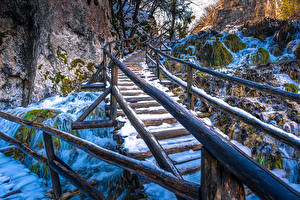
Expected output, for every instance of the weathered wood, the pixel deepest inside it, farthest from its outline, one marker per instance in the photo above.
(92, 124)
(126, 84)
(157, 66)
(157, 122)
(145, 111)
(132, 93)
(167, 133)
(265, 88)
(172, 150)
(95, 76)
(241, 114)
(75, 192)
(178, 186)
(8, 149)
(216, 182)
(75, 179)
(147, 104)
(113, 101)
(50, 157)
(190, 96)
(136, 99)
(158, 152)
(93, 86)
(93, 105)
(269, 187)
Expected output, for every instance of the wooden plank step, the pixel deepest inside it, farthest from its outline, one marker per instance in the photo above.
(146, 104)
(93, 86)
(137, 98)
(126, 88)
(167, 133)
(170, 149)
(132, 93)
(189, 167)
(184, 157)
(126, 84)
(157, 122)
(157, 111)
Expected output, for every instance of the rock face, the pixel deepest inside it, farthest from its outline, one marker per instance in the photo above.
(237, 12)
(46, 45)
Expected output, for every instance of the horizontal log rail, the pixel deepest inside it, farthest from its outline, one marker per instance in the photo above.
(58, 167)
(264, 88)
(165, 179)
(258, 179)
(278, 133)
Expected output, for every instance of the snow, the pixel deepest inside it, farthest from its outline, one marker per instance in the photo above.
(15, 176)
(243, 148)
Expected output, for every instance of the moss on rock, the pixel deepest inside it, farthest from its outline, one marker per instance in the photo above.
(262, 56)
(62, 53)
(234, 43)
(76, 62)
(291, 87)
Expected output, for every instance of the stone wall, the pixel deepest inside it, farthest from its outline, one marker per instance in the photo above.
(48, 45)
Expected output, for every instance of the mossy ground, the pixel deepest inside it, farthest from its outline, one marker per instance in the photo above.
(297, 52)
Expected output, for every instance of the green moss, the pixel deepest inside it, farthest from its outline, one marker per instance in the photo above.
(297, 52)
(59, 77)
(221, 57)
(291, 87)
(40, 66)
(66, 86)
(219, 35)
(24, 134)
(41, 170)
(90, 66)
(76, 62)
(62, 53)
(234, 43)
(262, 56)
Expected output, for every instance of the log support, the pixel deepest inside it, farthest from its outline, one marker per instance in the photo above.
(190, 97)
(217, 183)
(113, 101)
(50, 157)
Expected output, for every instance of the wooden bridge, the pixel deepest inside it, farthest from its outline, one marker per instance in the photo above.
(133, 91)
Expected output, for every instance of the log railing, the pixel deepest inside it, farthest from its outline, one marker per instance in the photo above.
(225, 168)
(240, 167)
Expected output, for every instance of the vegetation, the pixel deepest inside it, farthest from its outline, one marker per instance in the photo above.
(297, 52)
(290, 9)
(234, 43)
(291, 87)
(262, 56)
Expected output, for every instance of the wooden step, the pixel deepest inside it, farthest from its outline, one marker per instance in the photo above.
(170, 149)
(146, 104)
(92, 124)
(157, 122)
(126, 84)
(126, 88)
(167, 133)
(189, 167)
(137, 98)
(132, 92)
(157, 111)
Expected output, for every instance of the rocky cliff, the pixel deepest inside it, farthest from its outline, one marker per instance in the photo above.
(226, 13)
(46, 46)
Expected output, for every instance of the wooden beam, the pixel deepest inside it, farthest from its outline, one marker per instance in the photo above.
(190, 96)
(95, 86)
(75, 179)
(165, 179)
(113, 101)
(93, 105)
(92, 124)
(217, 182)
(50, 157)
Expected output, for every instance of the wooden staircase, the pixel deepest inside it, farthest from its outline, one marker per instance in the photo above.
(179, 144)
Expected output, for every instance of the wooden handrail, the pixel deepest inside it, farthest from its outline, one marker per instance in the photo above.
(278, 133)
(265, 88)
(257, 178)
(165, 179)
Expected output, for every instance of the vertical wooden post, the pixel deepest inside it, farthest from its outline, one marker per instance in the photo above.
(113, 101)
(146, 54)
(104, 67)
(190, 96)
(217, 183)
(51, 156)
(157, 66)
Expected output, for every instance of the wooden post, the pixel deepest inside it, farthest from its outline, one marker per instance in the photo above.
(113, 101)
(50, 157)
(157, 66)
(190, 96)
(104, 67)
(216, 182)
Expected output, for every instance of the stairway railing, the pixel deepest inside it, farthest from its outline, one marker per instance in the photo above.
(238, 167)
